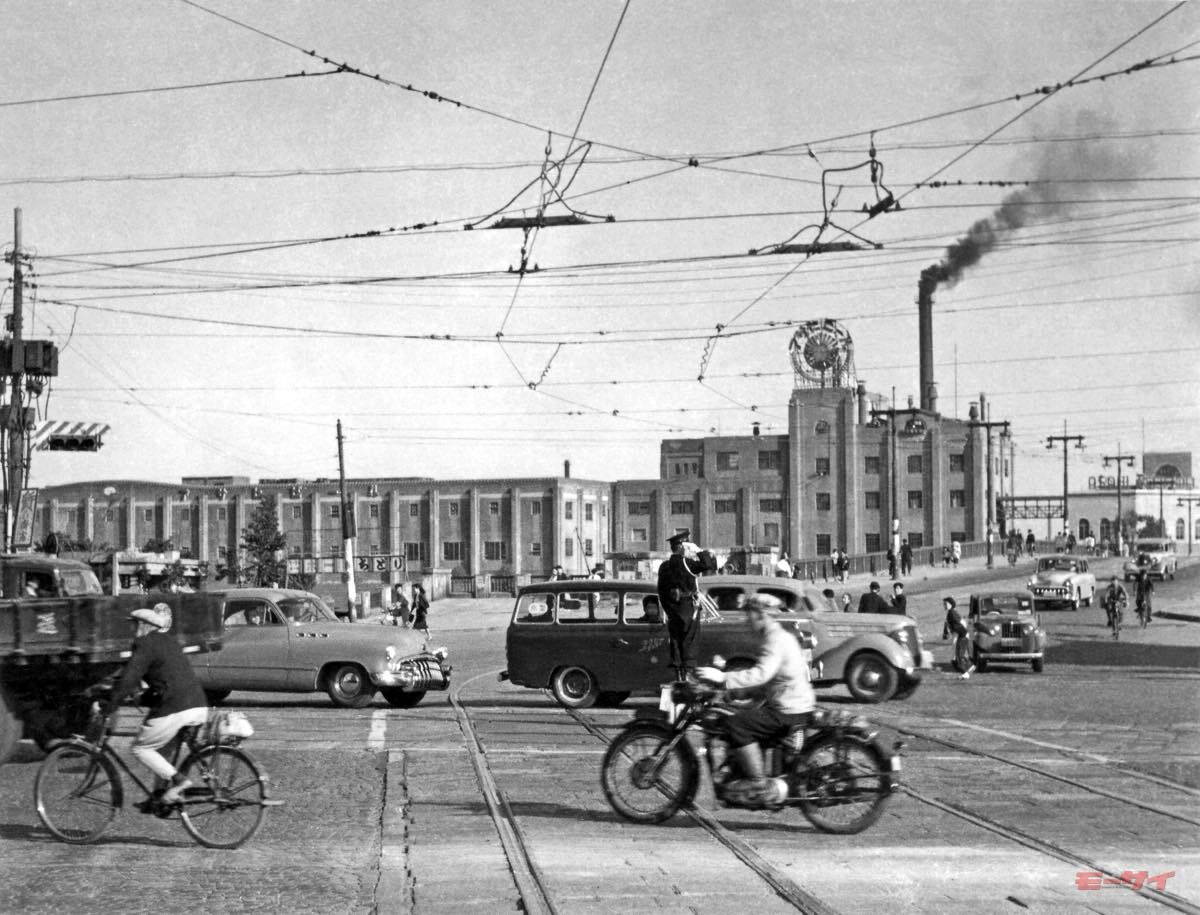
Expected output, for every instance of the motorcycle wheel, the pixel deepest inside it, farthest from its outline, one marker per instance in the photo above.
(843, 783)
(634, 789)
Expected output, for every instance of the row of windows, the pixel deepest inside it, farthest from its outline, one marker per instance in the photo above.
(731, 460)
(915, 497)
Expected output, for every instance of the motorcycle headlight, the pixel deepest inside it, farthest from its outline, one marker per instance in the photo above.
(441, 653)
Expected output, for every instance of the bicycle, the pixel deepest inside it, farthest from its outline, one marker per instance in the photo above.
(78, 790)
(1115, 610)
(1143, 612)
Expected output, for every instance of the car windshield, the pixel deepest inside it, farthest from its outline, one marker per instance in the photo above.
(1005, 603)
(307, 610)
(1150, 546)
(1057, 565)
(79, 581)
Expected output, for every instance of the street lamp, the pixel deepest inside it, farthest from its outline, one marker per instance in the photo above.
(1189, 501)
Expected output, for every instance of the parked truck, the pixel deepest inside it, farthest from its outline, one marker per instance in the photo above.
(60, 634)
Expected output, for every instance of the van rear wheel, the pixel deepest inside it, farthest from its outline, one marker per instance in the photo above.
(575, 687)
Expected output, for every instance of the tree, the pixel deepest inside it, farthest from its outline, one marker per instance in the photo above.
(157, 545)
(263, 543)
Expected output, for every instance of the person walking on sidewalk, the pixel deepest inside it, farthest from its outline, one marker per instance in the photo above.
(872, 601)
(955, 626)
(420, 606)
(899, 599)
(906, 554)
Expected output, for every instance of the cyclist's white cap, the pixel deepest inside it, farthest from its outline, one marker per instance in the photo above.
(763, 603)
(159, 616)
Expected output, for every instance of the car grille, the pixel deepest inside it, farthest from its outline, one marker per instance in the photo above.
(427, 673)
(1010, 630)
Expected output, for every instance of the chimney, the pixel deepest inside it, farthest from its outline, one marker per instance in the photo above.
(567, 469)
(863, 412)
(925, 342)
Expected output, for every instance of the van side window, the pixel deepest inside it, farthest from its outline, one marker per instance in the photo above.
(575, 608)
(642, 610)
(535, 608)
(726, 598)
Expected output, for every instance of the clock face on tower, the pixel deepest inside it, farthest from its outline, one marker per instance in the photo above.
(820, 351)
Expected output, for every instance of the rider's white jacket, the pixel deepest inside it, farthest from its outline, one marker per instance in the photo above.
(781, 670)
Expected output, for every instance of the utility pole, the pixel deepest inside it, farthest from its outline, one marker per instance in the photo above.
(1160, 485)
(984, 422)
(1189, 501)
(891, 414)
(15, 426)
(1064, 438)
(347, 531)
(1125, 460)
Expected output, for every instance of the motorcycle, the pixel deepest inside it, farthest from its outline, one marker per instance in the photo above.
(837, 769)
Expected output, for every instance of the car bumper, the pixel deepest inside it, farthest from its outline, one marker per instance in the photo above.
(1010, 655)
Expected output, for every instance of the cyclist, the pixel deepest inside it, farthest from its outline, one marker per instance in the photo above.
(1145, 587)
(176, 699)
(1114, 600)
(782, 673)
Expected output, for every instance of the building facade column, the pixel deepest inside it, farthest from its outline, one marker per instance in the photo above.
(435, 527)
(516, 558)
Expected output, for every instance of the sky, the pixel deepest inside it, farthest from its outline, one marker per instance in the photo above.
(246, 222)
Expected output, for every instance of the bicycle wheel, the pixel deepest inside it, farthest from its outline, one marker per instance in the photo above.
(77, 792)
(843, 783)
(635, 788)
(225, 804)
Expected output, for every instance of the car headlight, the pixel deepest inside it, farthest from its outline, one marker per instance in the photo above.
(390, 653)
(441, 653)
(993, 630)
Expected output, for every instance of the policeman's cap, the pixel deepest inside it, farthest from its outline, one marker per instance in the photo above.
(679, 537)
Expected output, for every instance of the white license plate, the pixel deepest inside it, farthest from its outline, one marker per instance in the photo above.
(1010, 643)
(896, 763)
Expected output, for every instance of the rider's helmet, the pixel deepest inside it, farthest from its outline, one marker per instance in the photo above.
(763, 603)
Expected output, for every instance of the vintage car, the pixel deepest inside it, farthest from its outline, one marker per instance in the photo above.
(279, 640)
(1154, 554)
(1003, 629)
(1062, 581)
(598, 642)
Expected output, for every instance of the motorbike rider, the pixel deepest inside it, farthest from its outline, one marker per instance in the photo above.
(1145, 587)
(781, 672)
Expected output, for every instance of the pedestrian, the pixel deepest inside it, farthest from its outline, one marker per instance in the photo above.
(899, 599)
(1030, 543)
(872, 601)
(398, 610)
(955, 553)
(783, 568)
(597, 573)
(843, 565)
(906, 554)
(557, 573)
(846, 603)
(679, 595)
(954, 626)
(945, 557)
(1071, 542)
(420, 606)
(891, 561)
(1145, 588)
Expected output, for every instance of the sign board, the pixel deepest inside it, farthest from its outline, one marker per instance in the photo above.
(23, 527)
(379, 563)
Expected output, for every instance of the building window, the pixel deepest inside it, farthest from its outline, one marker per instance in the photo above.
(296, 551)
(768, 460)
(872, 543)
(871, 465)
(148, 514)
(727, 460)
(185, 514)
(110, 515)
(335, 552)
(569, 510)
(297, 512)
(373, 510)
(824, 544)
(958, 498)
(916, 539)
(374, 549)
(587, 547)
(452, 550)
(914, 463)
(872, 498)
(959, 536)
(638, 533)
(414, 551)
(414, 510)
(956, 463)
(495, 550)
(1180, 529)
(771, 532)
(568, 547)
(535, 548)
(725, 506)
(770, 505)
(822, 466)
(222, 552)
(589, 511)
(535, 509)
(915, 498)
(639, 508)
(493, 508)
(454, 509)
(824, 502)
(335, 510)
(221, 514)
(681, 507)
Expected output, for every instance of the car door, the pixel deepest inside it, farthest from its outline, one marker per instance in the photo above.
(256, 644)
(640, 648)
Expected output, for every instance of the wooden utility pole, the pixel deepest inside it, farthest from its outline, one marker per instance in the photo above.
(1125, 460)
(15, 424)
(1064, 438)
(985, 423)
(347, 530)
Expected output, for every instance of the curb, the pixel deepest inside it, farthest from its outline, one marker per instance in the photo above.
(1172, 615)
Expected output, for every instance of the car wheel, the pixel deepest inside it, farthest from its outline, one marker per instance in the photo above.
(1088, 601)
(870, 678)
(575, 687)
(1038, 665)
(402, 698)
(216, 696)
(349, 687)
